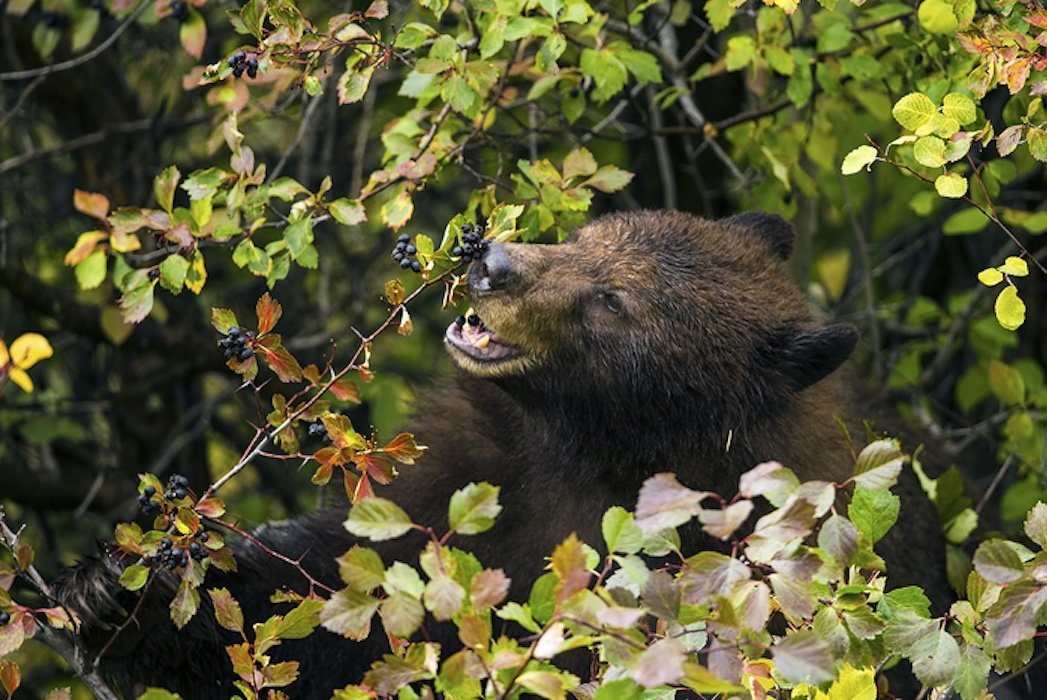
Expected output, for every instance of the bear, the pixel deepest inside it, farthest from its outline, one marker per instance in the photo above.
(647, 342)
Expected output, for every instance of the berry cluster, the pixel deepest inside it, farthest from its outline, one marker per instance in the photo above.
(145, 500)
(177, 487)
(241, 62)
(473, 243)
(170, 557)
(318, 429)
(236, 344)
(404, 253)
(180, 11)
(4, 618)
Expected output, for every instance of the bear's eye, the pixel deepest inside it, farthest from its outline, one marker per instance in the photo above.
(612, 301)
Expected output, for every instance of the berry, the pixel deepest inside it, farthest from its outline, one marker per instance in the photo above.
(180, 493)
(4, 618)
(416, 266)
(398, 256)
(457, 251)
(154, 273)
(194, 547)
(148, 491)
(459, 321)
(180, 11)
(405, 263)
(473, 320)
(165, 543)
(403, 238)
(202, 536)
(410, 249)
(252, 67)
(245, 354)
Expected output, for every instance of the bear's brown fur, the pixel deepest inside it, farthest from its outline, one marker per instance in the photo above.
(648, 342)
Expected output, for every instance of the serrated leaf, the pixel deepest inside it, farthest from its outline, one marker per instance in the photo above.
(349, 612)
(361, 568)
(474, 508)
(488, 588)
(134, 577)
(402, 614)
(839, 537)
(227, 610)
(185, 604)
(935, 658)
(347, 211)
(664, 503)
(609, 178)
(443, 597)
(1036, 524)
(803, 657)
(959, 107)
(857, 159)
(996, 561)
(620, 532)
(873, 512)
(377, 519)
(661, 663)
(929, 151)
(268, 311)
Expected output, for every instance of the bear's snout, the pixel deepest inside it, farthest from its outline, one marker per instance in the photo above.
(491, 272)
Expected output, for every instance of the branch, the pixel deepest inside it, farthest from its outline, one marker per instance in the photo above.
(68, 646)
(84, 58)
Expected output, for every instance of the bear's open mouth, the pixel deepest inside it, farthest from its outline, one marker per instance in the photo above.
(470, 335)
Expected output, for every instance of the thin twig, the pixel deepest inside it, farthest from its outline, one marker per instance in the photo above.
(994, 483)
(83, 58)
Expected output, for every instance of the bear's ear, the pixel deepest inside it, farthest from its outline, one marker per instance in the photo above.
(806, 357)
(775, 231)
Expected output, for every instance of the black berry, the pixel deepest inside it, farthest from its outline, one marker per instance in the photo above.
(405, 263)
(180, 11)
(4, 618)
(148, 491)
(416, 266)
(459, 321)
(403, 238)
(473, 320)
(202, 536)
(165, 543)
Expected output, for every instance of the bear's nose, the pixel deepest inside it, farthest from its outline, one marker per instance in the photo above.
(491, 272)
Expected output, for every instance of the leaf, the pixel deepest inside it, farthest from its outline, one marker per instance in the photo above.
(134, 577)
(546, 684)
(620, 532)
(185, 604)
(938, 17)
(226, 610)
(853, 684)
(402, 614)
(488, 588)
(473, 508)
(578, 162)
(1006, 383)
(1009, 309)
(929, 151)
(197, 274)
(935, 658)
(347, 211)
(443, 596)
(664, 503)
(803, 657)
(951, 185)
(397, 211)
(85, 245)
(990, 277)
(361, 568)
(377, 519)
(349, 612)
(972, 673)
(193, 34)
(1036, 524)
(879, 464)
(223, 320)
(90, 203)
(164, 186)
(268, 311)
(723, 523)
(959, 107)
(137, 302)
(839, 537)
(404, 449)
(661, 663)
(11, 678)
(1009, 139)
(1037, 142)
(719, 13)
(609, 178)
(1014, 266)
(570, 566)
(873, 512)
(914, 110)
(996, 561)
(857, 159)
(276, 356)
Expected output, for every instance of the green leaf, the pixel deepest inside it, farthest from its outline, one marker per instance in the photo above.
(719, 13)
(1036, 524)
(641, 64)
(741, 50)
(879, 464)
(185, 604)
(164, 186)
(857, 159)
(972, 673)
(609, 178)
(620, 532)
(952, 185)
(996, 561)
(1010, 309)
(361, 568)
(473, 508)
(1006, 383)
(1014, 266)
(377, 519)
(134, 577)
(300, 622)
(914, 110)
(349, 612)
(938, 17)
(1037, 140)
(173, 270)
(347, 211)
(839, 537)
(873, 512)
(935, 658)
(930, 151)
(402, 614)
(90, 272)
(226, 610)
(959, 107)
(964, 222)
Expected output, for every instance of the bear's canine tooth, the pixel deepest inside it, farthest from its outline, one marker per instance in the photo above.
(483, 341)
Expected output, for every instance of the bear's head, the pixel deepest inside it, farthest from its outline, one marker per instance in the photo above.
(650, 317)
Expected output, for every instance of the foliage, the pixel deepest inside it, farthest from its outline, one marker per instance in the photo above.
(520, 115)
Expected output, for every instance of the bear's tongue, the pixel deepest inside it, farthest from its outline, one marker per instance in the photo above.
(474, 338)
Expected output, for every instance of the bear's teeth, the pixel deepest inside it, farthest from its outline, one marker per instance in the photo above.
(483, 341)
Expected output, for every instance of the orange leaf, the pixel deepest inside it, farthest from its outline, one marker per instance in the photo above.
(269, 311)
(404, 449)
(85, 245)
(210, 508)
(363, 489)
(350, 481)
(90, 203)
(322, 474)
(279, 359)
(377, 466)
(346, 390)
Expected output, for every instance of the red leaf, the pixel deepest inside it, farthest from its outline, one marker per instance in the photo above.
(350, 481)
(376, 465)
(210, 508)
(269, 311)
(379, 9)
(10, 676)
(193, 34)
(90, 203)
(363, 489)
(569, 564)
(404, 449)
(346, 390)
(279, 360)
(323, 473)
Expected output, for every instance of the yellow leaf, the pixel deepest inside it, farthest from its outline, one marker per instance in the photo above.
(854, 684)
(1014, 266)
(990, 277)
(19, 377)
(197, 274)
(952, 185)
(1010, 310)
(4, 357)
(30, 348)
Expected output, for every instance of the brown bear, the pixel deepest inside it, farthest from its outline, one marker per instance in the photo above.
(648, 342)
